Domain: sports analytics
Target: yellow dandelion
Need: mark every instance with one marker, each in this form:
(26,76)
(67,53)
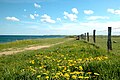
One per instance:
(74,76)
(32,62)
(58,73)
(46,77)
(58,61)
(98,58)
(74,61)
(81,77)
(56,76)
(96,74)
(105,57)
(80,68)
(70,60)
(79,59)
(86,77)
(72,73)
(89,72)
(67,78)
(64,69)
(79,72)
(91,59)
(65,58)
(66,75)
(38,76)
(68,70)
(62,55)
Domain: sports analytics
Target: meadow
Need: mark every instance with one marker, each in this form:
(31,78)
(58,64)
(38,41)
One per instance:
(71,60)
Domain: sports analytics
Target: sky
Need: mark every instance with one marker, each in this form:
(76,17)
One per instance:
(59,17)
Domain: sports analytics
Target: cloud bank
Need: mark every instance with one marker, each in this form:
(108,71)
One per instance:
(12,19)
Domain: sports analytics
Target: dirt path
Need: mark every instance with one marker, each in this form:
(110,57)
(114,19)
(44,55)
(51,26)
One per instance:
(28,48)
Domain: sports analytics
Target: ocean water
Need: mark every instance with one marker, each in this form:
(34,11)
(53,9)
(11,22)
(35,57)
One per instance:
(11,38)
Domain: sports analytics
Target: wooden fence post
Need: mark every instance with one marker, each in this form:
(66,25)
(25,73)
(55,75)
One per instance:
(94,36)
(78,37)
(109,43)
(87,36)
(82,36)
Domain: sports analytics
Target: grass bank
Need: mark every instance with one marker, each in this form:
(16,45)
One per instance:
(70,60)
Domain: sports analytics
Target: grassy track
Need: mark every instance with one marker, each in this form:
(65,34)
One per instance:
(70,60)
(26,43)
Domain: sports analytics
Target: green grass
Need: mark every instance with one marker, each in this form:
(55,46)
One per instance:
(70,60)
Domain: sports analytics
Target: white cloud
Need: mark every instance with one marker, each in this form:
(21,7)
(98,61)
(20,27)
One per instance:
(32,16)
(59,19)
(74,10)
(110,10)
(36,15)
(12,19)
(114,11)
(72,17)
(88,12)
(46,18)
(97,17)
(37,5)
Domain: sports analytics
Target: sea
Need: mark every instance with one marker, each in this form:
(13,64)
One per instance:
(11,38)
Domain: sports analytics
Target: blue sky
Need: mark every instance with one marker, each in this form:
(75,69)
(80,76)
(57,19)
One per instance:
(59,17)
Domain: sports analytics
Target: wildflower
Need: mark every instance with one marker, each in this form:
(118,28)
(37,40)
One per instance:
(56,76)
(60,67)
(106,57)
(89,72)
(81,77)
(87,59)
(65,58)
(80,68)
(74,61)
(79,59)
(58,61)
(66,75)
(71,64)
(62,55)
(78,72)
(86,77)
(58,73)
(91,59)
(46,77)
(70,60)
(64,69)
(68,70)
(22,70)
(98,58)
(74,76)
(38,76)
(32,62)
(96,74)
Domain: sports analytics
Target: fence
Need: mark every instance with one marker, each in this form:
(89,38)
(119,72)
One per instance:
(109,42)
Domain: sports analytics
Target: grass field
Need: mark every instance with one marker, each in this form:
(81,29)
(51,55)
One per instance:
(74,60)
